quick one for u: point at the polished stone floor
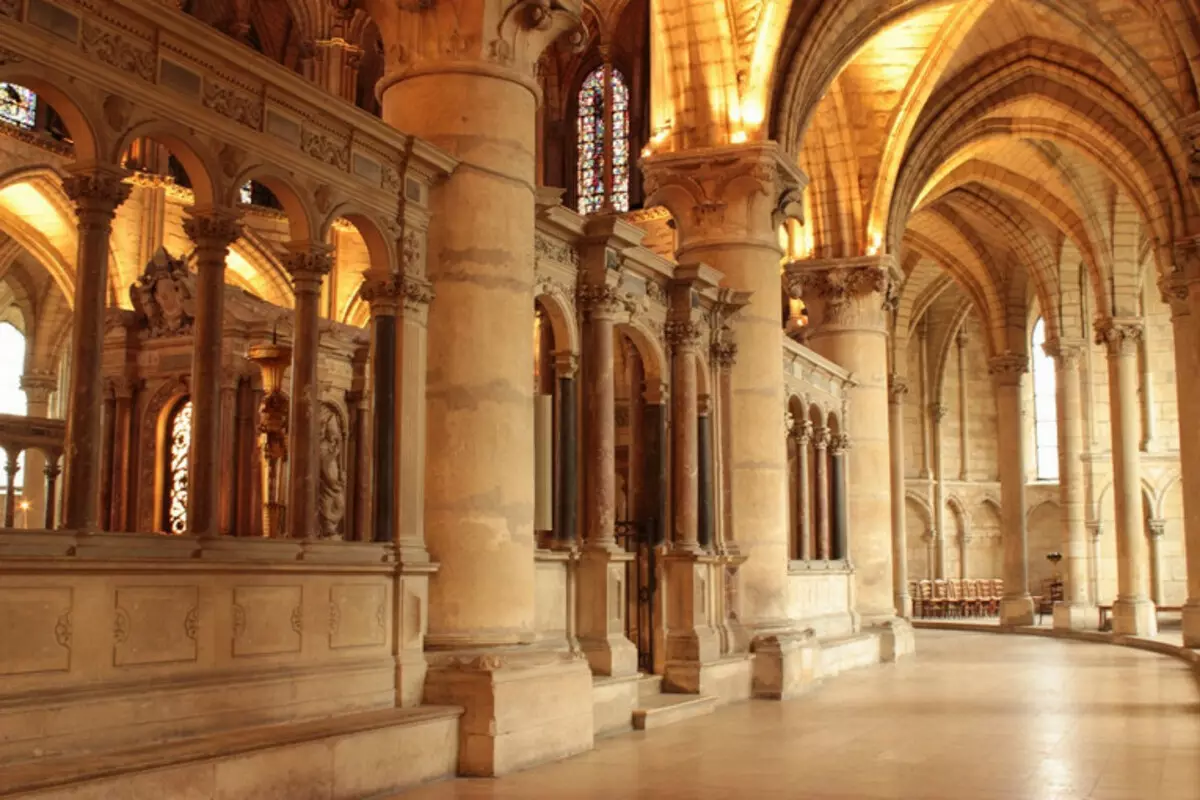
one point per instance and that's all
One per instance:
(974, 715)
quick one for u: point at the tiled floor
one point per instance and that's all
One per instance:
(974, 715)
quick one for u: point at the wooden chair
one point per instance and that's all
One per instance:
(995, 595)
(925, 592)
(914, 591)
(940, 600)
(955, 606)
(971, 601)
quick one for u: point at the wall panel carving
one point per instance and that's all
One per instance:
(155, 625)
(358, 615)
(267, 620)
(35, 629)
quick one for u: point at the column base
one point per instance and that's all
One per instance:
(1016, 611)
(786, 665)
(690, 633)
(904, 606)
(1191, 623)
(601, 611)
(1075, 617)
(521, 708)
(1134, 617)
(896, 638)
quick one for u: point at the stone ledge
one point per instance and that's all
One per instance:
(36, 779)
(1186, 654)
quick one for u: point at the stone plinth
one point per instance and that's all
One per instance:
(786, 665)
(521, 708)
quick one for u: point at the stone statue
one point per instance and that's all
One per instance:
(163, 296)
(331, 503)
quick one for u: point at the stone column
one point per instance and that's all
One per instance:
(382, 294)
(964, 433)
(566, 522)
(212, 231)
(820, 506)
(1149, 437)
(52, 471)
(1181, 290)
(1095, 529)
(923, 368)
(37, 387)
(1076, 611)
(838, 447)
(736, 640)
(106, 454)
(602, 562)
(1155, 529)
(849, 302)
(1008, 373)
(1133, 612)
(706, 520)
(802, 437)
(683, 339)
(937, 413)
(122, 456)
(96, 193)
(897, 389)
(726, 203)
(11, 468)
(308, 264)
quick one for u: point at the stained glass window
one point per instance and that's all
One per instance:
(592, 139)
(18, 105)
(179, 448)
(1045, 407)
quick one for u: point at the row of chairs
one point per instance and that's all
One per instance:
(956, 597)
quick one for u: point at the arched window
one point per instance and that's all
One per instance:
(1045, 407)
(600, 131)
(178, 449)
(18, 105)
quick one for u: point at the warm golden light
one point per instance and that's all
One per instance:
(876, 245)
(738, 137)
(25, 505)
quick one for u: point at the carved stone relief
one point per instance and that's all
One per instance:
(331, 502)
(163, 297)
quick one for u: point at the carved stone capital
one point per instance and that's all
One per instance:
(1156, 528)
(1067, 353)
(821, 437)
(721, 195)
(566, 364)
(98, 191)
(1008, 369)
(308, 264)
(682, 335)
(839, 443)
(599, 301)
(845, 292)
(724, 353)
(897, 389)
(213, 228)
(938, 411)
(1122, 337)
(38, 386)
(1176, 289)
(389, 294)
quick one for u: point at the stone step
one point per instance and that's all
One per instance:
(665, 709)
(848, 652)
(649, 686)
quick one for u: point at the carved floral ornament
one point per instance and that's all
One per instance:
(1009, 368)
(601, 300)
(1067, 353)
(1121, 336)
(387, 294)
(839, 443)
(838, 285)
(897, 389)
(682, 334)
(724, 352)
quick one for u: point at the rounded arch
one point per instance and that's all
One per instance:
(379, 247)
(302, 225)
(654, 359)
(562, 317)
(258, 267)
(198, 162)
(68, 99)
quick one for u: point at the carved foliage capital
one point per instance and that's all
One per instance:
(386, 295)
(839, 443)
(682, 335)
(1122, 337)
(897, 389)
(599, 300)
(724, 353)
(938, 411)
(1008, 369)
(308, 264)
(99, 191)
(1067, 353)
(213, 228)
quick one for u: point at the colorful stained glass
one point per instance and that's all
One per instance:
(18, 105)
(179, 450)
(592, 141)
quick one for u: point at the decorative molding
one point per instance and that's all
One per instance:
(115, 50)
(682, 334)
(594, 300)
(1122, 337)
(238, 107)
(1008, 369)
(549, 249)
(62, 631)
(897, 389)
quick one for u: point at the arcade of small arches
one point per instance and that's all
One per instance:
(547, 373)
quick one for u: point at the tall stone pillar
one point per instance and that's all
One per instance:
(838, 447)
(602, 562)
(566, 520)
(96, 193)
(1008, 373)
(725, 202)
(820, 506)
(683, 338)
(212, 231)
(1181, 289)
(1133, 611)
(308, 265)
(1155, 530)
(848, 303)
(964, 430)
(937, 413)
(382, 294)
(735, 639)
(121, 518)
(897, 389)
(37, 387)
(802, 436)
(1076, 611)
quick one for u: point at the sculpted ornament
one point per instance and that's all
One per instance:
(1008, 369)
(681, 334)
(163, 297)
(897, 389)
(1121, 336)
(599, 300)
(331, 501)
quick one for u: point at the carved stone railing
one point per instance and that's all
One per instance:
(20, 433)
(813, 377)
(135, 63)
